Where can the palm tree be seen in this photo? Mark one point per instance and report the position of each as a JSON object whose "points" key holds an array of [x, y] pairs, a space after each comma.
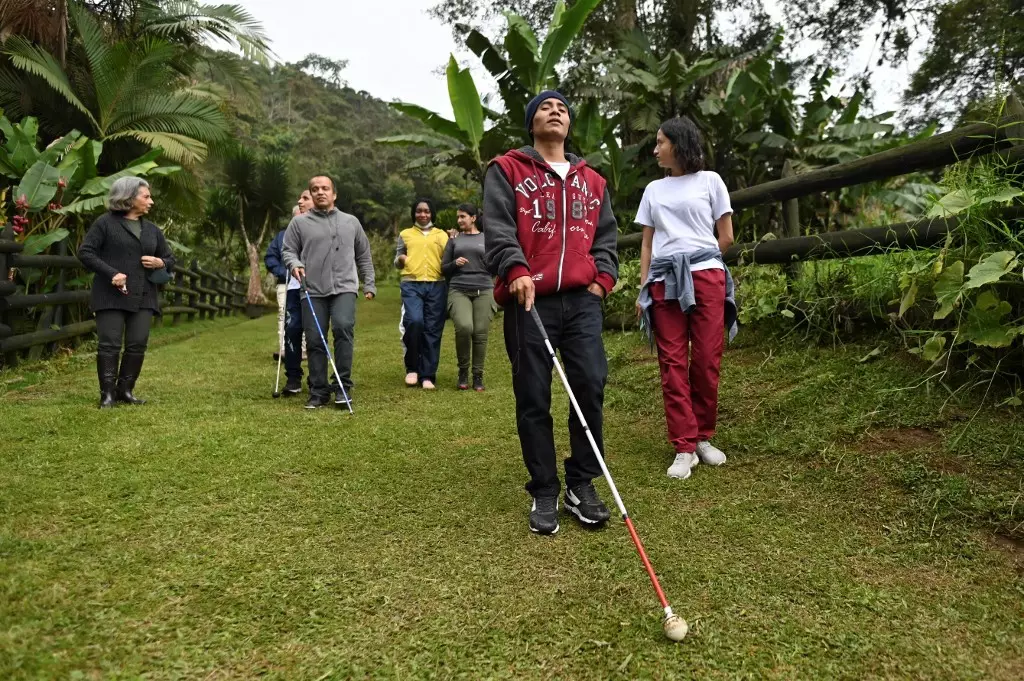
{"points": [[123, 90], [184, 22], [259, 188]]}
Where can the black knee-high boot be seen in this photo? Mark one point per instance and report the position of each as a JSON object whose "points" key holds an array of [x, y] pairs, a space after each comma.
{"points": [[131, 366], [106, 369]]}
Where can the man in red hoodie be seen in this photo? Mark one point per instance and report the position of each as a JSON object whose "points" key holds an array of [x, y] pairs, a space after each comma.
{"points": [[550, 238]]}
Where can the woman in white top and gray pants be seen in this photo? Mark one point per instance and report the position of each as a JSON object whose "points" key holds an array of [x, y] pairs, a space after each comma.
{"points": [[686, 300]]}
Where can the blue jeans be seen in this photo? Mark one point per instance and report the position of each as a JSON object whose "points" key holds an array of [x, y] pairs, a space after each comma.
{"points": [[424, 305], [293, 335]]}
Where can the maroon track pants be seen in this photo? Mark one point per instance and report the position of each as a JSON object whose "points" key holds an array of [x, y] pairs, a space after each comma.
{"points": [[690, 354]]}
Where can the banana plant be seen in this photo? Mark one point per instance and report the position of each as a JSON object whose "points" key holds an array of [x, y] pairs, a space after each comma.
{"points": [[48, 187], [463, 142], [528, 67]]}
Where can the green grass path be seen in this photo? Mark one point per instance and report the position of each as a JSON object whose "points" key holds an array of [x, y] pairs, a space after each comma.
{"points": [[217, 533]]}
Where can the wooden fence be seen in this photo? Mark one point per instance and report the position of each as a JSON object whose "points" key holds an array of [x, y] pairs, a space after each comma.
{"points": [[34, 324], [1003, 137]]}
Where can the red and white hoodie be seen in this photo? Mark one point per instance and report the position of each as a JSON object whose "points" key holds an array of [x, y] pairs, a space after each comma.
{"points": [[562, 234]]}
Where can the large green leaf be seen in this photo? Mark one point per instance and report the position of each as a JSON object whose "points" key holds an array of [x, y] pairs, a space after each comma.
{"points": [[93, 204], [101, 185], [512, 89], [435, 122], [39, 185], [985, 326], [850, 131], [60, 148], [948, 289], [849, 114], [21, 144], [991, 269], [37, 243], [469, 114], [1005, 195], [952, 203], [523, 53], [933, 348], [565, 26]]}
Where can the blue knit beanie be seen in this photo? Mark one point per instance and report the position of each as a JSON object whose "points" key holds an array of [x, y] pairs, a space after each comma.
{"points": [[531, 108]]}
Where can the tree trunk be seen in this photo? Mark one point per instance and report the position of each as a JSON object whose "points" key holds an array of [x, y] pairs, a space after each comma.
{"points": [[255, 294]]}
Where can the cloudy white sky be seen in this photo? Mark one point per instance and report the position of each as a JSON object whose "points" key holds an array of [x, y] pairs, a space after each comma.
{"points": [[395, 50]]}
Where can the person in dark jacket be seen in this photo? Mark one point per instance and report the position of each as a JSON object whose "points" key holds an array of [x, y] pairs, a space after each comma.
{"points": [[130, 257], [290, 335], [550, 240], [470, 296]]}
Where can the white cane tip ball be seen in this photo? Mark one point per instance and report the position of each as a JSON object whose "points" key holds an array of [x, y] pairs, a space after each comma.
{"points": [[675, 628]]}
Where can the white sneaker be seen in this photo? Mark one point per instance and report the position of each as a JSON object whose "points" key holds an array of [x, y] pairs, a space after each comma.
{"points": [[412, 379], [682, 466], [709, 454]]}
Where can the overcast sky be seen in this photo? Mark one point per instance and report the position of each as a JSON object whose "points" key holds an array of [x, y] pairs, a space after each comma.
{"points": [[396, 51]]}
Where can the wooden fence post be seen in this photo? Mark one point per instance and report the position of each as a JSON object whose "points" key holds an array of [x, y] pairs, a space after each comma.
{"points": [[8, 247], [58, 310], [791, 220], [193, 296]]}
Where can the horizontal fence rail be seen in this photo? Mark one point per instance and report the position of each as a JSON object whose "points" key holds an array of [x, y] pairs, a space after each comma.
{"points": [[1002, 138], [34, 322]]}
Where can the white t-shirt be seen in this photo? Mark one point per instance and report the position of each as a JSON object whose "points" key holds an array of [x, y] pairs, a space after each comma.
{"points": [[683, 211], [561, 168]]}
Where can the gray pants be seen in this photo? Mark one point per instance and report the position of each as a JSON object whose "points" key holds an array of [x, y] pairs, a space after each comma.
{"points": [[472, 312], [338, 315]]}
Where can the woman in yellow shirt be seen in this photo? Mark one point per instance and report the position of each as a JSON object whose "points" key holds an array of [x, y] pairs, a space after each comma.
{"points": [[424, 294]]}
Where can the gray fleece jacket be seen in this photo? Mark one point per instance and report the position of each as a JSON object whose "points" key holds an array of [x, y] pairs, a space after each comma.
{"points": [[333, 249]]}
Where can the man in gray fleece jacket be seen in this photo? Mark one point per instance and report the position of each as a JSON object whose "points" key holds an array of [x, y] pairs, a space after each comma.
{"points": [[328, 251]]}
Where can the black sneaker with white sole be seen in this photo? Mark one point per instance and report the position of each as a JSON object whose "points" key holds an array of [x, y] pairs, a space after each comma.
{"points": [[582, 501], [317, 402], [339, 398], [293, 387], [544, 515]]}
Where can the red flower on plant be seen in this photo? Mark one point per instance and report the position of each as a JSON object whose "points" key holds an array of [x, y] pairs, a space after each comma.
{"points": [[21, 203], [62, 182]]}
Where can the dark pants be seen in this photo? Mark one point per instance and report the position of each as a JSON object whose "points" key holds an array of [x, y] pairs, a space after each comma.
{"points": [[338, 314], [424, 306], [293, 335], [114, 327], [573, 321]]}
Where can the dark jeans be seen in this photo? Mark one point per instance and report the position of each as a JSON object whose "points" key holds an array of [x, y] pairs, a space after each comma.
{"points": [[573, 321], [116, 326], [338, 314], [424, 306], [293, 335]]}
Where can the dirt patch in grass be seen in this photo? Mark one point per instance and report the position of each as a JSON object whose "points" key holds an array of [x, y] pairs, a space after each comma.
{"points": [[899, 440], [1012, 546]]}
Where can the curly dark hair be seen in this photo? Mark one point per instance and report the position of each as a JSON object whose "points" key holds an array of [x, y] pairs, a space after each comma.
{"points": [[430, 205], [687, 142]]}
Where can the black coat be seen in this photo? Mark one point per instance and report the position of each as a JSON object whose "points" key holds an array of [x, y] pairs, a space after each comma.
{"points": [[110, 248]]}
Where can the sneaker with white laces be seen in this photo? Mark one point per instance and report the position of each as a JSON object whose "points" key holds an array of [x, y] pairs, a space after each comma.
{"points": [[544, 515], [683, 465], [709, 454]]}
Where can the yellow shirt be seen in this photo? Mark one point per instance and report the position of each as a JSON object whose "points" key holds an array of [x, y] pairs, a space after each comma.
{"points": [[423, 253]]}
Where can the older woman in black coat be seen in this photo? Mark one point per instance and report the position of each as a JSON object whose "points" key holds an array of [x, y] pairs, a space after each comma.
{"points": [[130, 258]]}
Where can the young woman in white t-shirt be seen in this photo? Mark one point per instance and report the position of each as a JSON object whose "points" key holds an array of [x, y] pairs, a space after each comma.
{"points": [[680, 214]]}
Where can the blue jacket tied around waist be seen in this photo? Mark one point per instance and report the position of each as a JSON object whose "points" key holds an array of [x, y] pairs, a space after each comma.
{"points": [[678, 278]]}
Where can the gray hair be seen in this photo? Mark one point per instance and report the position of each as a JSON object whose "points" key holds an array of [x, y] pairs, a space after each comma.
{"points": [[122, 195]]}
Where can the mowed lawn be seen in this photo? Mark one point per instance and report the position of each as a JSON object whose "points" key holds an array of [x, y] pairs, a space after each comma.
{"points": [[863, 528]]}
